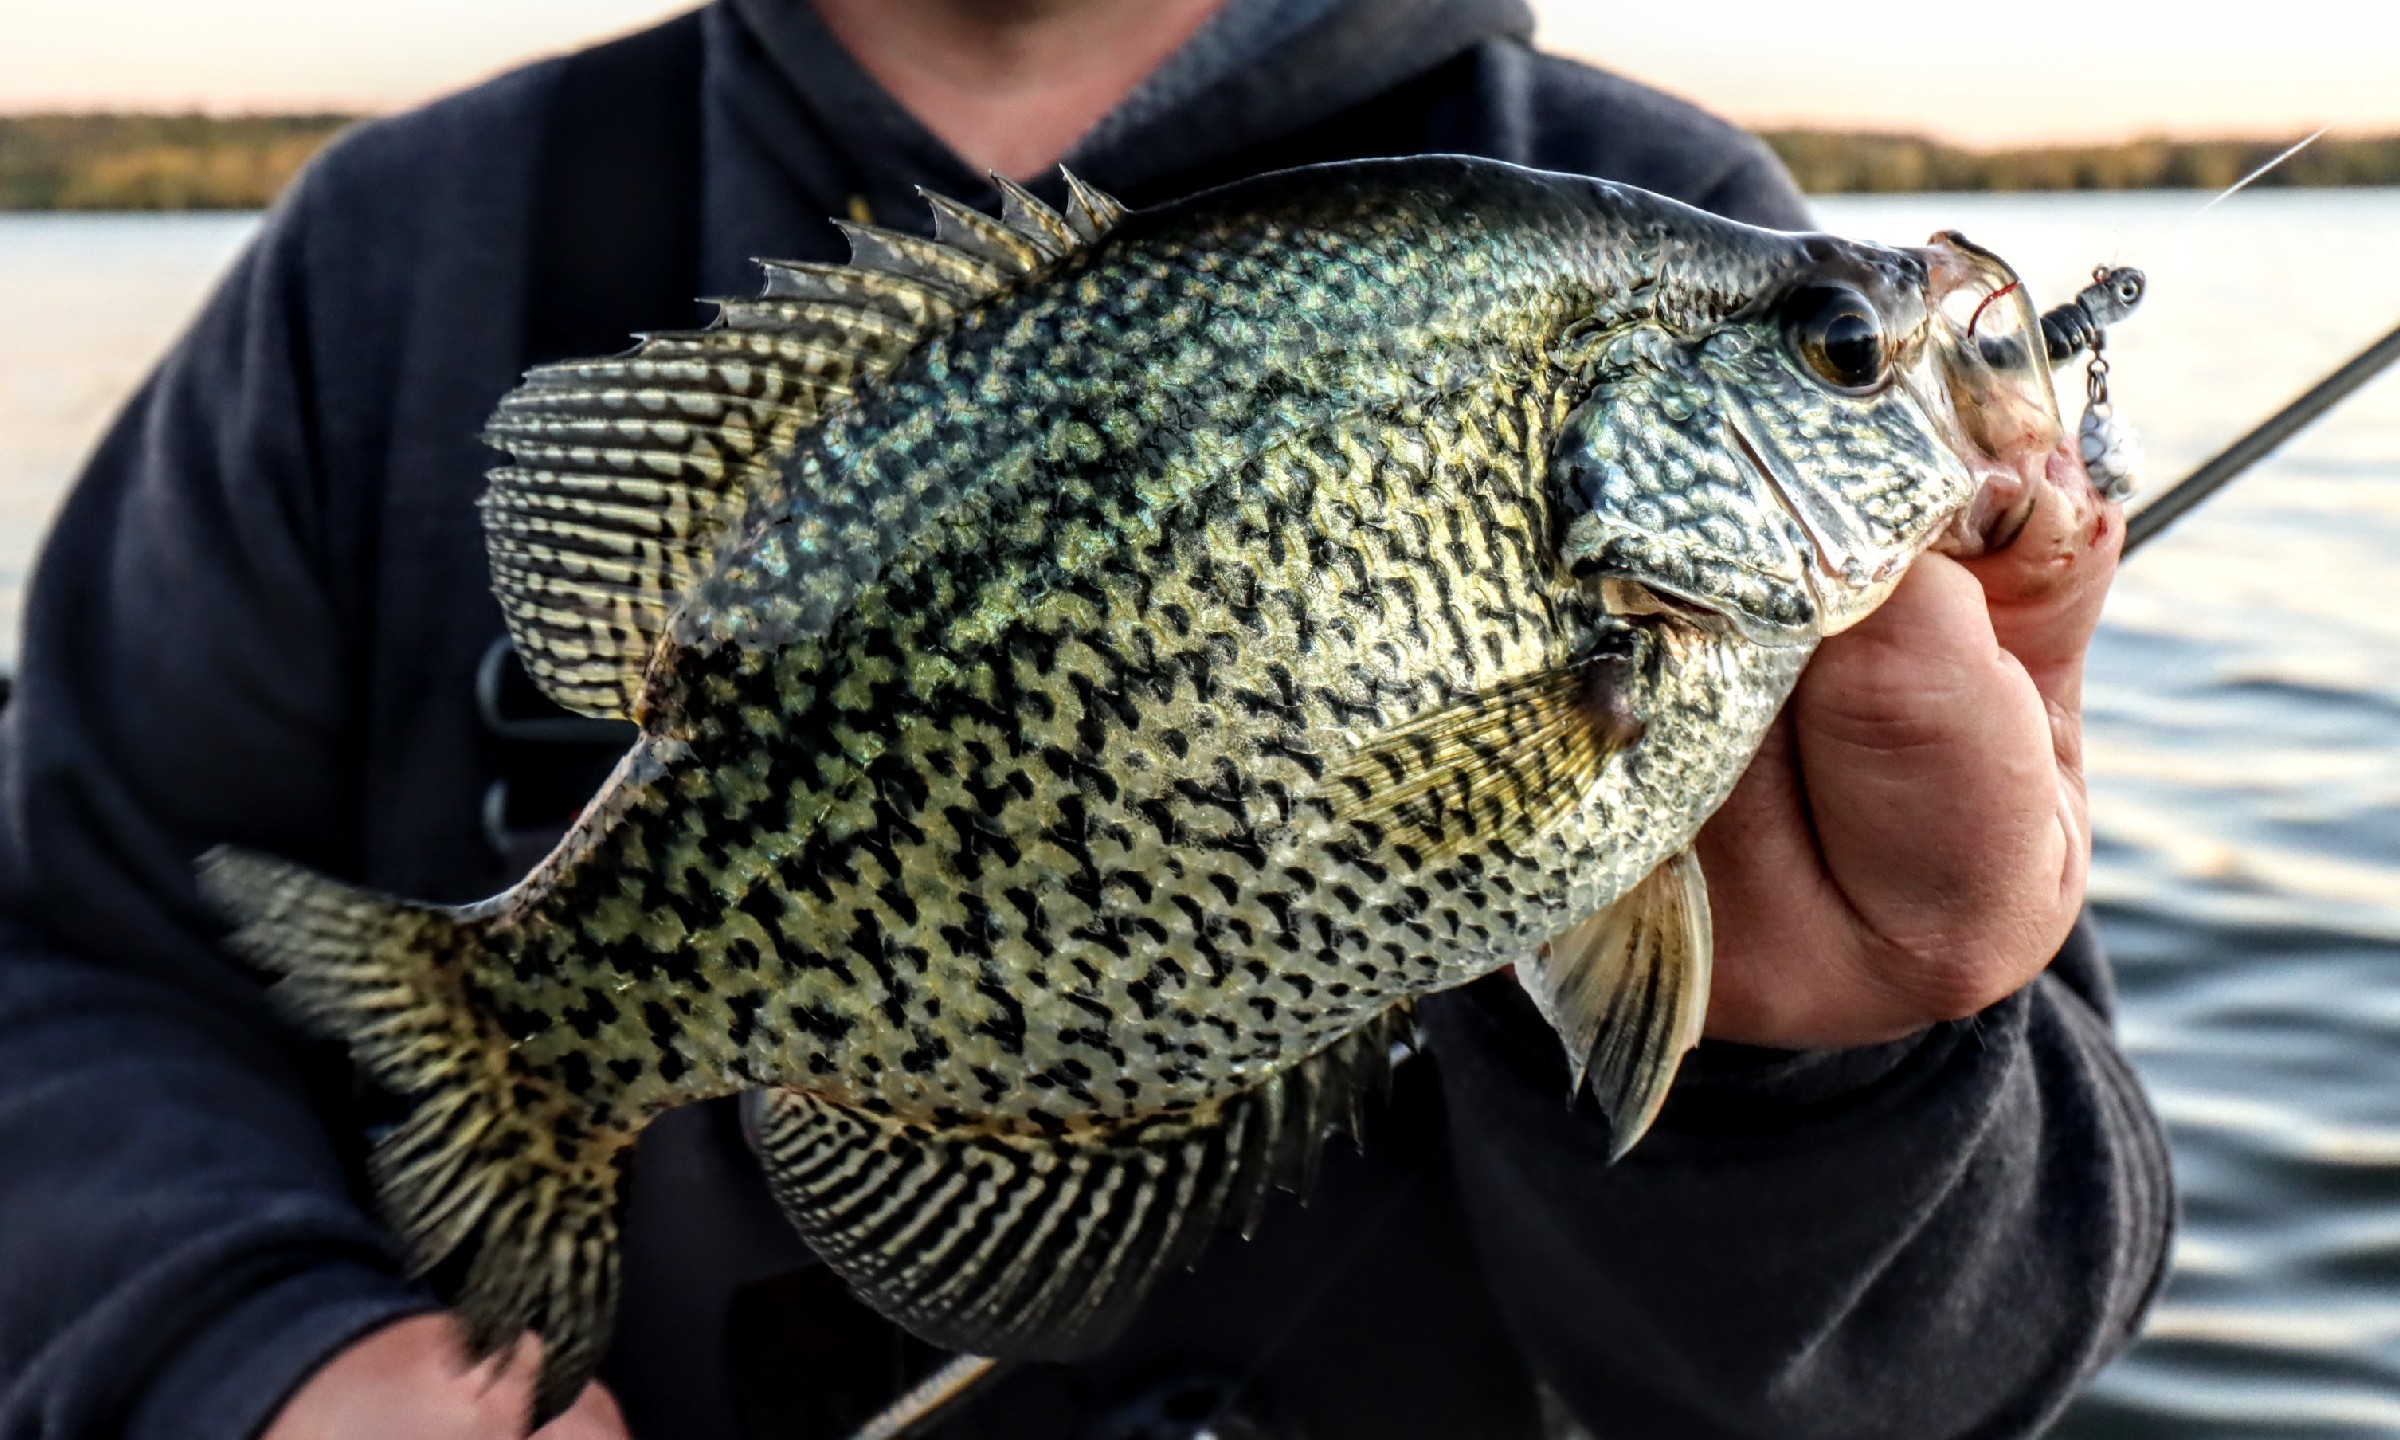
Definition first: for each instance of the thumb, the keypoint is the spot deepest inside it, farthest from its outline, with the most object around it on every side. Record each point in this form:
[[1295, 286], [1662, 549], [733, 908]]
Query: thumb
[[593, 1416], [2046, 588]]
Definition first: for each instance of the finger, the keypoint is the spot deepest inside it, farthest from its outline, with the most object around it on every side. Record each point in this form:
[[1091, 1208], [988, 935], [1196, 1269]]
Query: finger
[[502, 1385], [593, 1416], [2045, 589], [410, 1380], [1928, 757]]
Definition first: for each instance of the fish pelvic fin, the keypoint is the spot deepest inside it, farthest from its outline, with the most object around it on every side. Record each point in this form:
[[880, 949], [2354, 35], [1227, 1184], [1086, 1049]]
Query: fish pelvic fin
[[496, 1177], [628, 472], [1627, 992], [1029, 1244]]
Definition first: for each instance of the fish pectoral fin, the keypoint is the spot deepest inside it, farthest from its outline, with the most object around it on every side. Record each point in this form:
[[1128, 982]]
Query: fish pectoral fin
[[630, 471], [1024, 1243], [1510, 761], [1627, 992]]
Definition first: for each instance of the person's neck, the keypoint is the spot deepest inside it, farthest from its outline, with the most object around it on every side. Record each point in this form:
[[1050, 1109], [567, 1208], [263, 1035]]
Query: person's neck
[[1011, 85]]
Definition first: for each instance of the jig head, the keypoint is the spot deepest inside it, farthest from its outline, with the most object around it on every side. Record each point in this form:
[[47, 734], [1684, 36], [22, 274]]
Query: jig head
[[2111, 452], [2070, 329]]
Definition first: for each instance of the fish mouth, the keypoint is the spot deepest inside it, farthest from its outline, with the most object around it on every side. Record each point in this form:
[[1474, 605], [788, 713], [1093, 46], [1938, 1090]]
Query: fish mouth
[[1984, 375]]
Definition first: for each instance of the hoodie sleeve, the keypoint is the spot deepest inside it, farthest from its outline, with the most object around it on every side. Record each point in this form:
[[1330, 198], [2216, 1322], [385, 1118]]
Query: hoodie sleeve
[[179, 1239], [1941, 1237]]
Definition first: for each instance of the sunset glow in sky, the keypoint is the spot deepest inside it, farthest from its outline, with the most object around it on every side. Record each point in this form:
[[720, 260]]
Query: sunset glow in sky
[[2033, 70]]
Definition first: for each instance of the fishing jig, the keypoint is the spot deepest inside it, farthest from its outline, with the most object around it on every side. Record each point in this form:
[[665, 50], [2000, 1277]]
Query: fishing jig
[[2112, 453]]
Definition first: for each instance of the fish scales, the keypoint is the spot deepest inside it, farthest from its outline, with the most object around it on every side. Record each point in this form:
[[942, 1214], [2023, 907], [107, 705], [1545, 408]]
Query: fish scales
[[1088, 689], [1026, 753]]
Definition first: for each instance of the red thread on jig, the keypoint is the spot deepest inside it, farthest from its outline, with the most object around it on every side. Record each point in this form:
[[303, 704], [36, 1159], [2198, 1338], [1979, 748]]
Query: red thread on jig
[[1977, 318]]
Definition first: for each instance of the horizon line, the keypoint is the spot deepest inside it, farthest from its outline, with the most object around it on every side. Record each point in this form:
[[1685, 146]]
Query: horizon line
[[2168, 135]]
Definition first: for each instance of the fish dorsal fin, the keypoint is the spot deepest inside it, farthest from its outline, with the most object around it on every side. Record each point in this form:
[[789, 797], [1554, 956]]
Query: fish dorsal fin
[[626, 471], [1022, 211], [1627, 992], [1091, 213], [1025, 1244]]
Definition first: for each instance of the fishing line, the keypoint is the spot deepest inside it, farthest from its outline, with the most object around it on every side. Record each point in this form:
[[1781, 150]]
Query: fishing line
[[2229, 192]]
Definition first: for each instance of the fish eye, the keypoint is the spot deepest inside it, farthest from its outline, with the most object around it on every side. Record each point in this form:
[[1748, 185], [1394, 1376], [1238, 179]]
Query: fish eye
[[1833, 331]]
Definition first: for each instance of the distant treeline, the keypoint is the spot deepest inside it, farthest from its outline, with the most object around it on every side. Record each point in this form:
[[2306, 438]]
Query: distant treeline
[[201, 162], [154, 162], [1829, 162]]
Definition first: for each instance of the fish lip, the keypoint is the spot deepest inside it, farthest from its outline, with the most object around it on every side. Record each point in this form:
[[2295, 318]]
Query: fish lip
[[2002, 421]]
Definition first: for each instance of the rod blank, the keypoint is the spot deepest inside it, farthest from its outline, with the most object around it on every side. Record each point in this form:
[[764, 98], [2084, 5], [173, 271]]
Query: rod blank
[[2221, 468]]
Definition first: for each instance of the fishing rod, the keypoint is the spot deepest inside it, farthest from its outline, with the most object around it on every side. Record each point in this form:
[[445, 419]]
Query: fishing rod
[[929, 1397], [2223, 467]]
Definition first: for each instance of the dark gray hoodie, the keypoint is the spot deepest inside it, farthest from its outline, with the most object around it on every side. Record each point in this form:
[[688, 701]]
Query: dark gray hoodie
[[259, 620]]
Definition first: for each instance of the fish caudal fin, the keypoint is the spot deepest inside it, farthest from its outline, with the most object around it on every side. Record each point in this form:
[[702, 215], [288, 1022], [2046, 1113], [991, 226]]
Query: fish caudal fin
[[495, 1176], [1033, 1245], [1627, 992]]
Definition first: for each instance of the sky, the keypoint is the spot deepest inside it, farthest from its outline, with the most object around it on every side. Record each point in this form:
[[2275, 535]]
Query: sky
[[2030, 71]]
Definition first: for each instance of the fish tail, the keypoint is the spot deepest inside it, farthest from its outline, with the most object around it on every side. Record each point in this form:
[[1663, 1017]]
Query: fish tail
[[498, 1176]]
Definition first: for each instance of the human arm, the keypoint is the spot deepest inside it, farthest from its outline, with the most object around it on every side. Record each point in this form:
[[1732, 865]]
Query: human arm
[[178, 1221]]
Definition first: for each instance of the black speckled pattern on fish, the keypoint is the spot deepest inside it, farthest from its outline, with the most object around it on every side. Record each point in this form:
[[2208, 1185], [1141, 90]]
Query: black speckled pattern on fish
[[1087, 667]]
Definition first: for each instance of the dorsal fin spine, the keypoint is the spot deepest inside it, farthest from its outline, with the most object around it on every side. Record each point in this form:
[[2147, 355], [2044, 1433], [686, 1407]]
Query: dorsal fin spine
[[627, 469], [1092, 213], [927, 261], [1044, 228], [964, 228]]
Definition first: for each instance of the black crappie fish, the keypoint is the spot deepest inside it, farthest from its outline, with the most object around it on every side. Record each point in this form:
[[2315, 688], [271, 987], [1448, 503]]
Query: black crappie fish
[[1095, 669]]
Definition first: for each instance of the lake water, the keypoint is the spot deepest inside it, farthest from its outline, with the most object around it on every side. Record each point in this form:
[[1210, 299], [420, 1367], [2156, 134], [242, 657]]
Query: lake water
[[2244, 713]]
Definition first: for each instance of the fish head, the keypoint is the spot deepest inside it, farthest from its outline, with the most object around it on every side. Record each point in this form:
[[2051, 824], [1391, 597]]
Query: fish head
[[1778, 463]]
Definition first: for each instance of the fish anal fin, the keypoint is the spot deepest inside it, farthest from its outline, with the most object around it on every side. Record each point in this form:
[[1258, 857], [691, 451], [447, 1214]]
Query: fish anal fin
[[1627, 992], [1021, 1243], [1513, 759]]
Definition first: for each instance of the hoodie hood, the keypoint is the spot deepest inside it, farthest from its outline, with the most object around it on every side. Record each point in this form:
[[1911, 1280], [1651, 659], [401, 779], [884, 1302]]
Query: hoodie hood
[[781, 90], [1263, 68]]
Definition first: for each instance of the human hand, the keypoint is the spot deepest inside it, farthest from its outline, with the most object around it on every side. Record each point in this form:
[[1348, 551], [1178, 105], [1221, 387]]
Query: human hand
[[1910, 845], [412, 1380]]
